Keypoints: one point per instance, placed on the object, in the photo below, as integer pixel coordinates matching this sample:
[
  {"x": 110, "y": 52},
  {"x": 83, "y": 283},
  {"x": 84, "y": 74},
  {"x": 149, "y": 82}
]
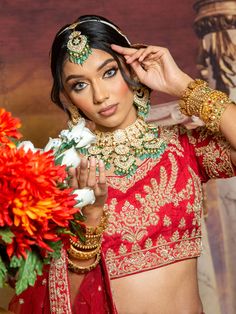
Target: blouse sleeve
[{"x": 212, "y": 153}]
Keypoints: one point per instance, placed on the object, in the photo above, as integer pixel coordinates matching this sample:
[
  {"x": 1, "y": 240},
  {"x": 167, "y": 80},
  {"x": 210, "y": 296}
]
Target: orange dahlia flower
[
  {"x": 8, "y": 127},
  {"x": 31, "y": 203}
]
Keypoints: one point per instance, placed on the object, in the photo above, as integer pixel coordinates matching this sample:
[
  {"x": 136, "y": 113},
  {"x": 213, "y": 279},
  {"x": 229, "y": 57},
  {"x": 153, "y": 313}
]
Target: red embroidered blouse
[{"x": 155, "y": 216}]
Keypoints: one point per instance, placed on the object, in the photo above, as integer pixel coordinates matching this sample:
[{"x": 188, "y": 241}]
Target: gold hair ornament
[
  {"x": 72, "y": 26},
  {"x": 78, "y": 48}
]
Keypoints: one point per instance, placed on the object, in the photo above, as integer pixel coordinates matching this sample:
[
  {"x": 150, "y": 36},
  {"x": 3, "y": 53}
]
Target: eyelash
[{"x": 113, "y": 70}]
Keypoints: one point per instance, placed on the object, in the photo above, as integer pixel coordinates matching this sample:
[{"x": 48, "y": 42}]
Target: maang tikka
[{"x": 77, "y": 46}]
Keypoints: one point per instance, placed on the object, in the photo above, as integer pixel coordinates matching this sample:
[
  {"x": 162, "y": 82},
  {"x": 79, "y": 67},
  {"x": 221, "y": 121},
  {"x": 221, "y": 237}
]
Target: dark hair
[{"x": 100, "y": 35}]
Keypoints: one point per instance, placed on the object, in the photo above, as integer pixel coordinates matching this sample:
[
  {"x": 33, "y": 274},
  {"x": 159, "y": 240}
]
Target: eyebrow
[{"x": 73, "y": 76}]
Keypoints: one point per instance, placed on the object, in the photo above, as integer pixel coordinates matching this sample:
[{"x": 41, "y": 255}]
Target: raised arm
[{"x": 156, "y": 68}]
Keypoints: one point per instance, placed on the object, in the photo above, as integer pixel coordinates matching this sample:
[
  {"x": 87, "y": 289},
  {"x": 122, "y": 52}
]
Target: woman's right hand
[{"x": 155, "y": 68}]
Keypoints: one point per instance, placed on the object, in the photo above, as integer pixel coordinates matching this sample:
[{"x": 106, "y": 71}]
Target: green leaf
[
  {"x": 3, "y": 273},
  {"x": 56, "y": 246},
  {"x": 64, "y": 231},
  {"x": 6, "y": 235},
  {"x": 78, "y": 230},
  {"x": 79, "y": 216},
  {"x": 58, "y": 160},
  {"x": 28, "y": 271},
  {"x": 16, "y": 261},
  {"x": 63, "y": 147}
]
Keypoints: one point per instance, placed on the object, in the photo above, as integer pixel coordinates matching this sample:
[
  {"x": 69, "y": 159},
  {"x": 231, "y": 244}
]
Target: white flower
[
  {"x": 78, "y": 128},
  {"x": 70, "y": 158},
  {"x": 53, "y": 143},
  {"x": 27, "y": 145},
  {"x": 87, "y": 137},
  {"x": 84, "y": 197},
  {"x": 64, "y": 134}
]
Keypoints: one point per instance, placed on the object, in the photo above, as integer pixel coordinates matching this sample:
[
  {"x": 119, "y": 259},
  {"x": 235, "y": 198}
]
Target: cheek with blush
[{"x": 123, "y": 91}]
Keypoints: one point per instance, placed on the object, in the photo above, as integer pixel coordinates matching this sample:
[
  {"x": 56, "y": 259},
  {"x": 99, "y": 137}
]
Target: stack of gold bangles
[
  {"x": 89, "y": 249},
  {"x": 202, "y": 101}
]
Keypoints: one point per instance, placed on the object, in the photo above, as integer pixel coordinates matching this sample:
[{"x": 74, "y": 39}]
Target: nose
[{"x": 100, "y": 93}]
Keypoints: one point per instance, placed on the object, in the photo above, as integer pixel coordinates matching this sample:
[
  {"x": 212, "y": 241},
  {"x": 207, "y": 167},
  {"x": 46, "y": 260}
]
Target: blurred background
[{"x": 201, "y": 36}]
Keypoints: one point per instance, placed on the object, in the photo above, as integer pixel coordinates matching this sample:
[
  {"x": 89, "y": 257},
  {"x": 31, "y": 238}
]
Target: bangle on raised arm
[{"x": 208, "y": 104}]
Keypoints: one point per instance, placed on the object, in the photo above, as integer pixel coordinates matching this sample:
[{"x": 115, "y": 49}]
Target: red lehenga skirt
[{"x": 51, "y": 293}]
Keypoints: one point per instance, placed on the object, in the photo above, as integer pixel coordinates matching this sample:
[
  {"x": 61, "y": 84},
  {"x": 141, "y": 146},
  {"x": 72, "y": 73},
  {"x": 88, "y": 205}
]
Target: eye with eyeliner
[
  {"x": 111, "y": 72},
  {"x": 78, "y": 86}
]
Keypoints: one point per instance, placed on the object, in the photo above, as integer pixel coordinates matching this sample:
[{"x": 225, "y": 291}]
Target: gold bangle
[
  {"x": 202, "y": 101},
  {"x": 88, "y": 244},
  {"x": 93, "y": 235},
  {"x": 184, "y": 102},
  {"x": 82, "y": 269},
  {"x": 83, "y": 255},
  {"x": 98, "y": 230}
]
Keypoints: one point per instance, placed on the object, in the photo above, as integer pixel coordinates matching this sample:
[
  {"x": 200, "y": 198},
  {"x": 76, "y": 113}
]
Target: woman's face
[{"x": 98, "y": 89}]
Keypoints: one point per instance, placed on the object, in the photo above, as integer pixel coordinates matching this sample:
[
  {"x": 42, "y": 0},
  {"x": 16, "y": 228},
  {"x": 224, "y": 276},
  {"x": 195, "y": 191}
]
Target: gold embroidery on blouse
[
  {"x": 166, "y": 221},
  {"x": 148, "y": 259},
  {"x": 216, "y": 161},
  {"x": 182, "y": 223},
  {"x": 197, "y": 205},
  {"x": 148, "y": 243},
  {"x": 216, "y": 158},
  {"x": 132, "y": 222}
]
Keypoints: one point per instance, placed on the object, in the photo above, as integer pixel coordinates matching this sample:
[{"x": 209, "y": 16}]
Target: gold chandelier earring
[
  {"x": 142, "y": 101},
  {"x": 74, "y": 114}
]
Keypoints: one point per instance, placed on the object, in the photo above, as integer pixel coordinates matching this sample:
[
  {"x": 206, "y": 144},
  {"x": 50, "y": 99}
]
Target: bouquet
[{"x": 38, "y": 209}]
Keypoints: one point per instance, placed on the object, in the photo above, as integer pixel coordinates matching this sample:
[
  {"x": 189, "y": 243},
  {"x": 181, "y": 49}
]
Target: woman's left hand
[
  {"x": 155, "y": 68},
  {"x": 85, "y": 176}
]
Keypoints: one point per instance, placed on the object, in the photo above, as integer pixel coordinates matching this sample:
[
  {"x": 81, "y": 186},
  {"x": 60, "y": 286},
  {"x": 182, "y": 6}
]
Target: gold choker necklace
[{"x": 123, "y": 147}]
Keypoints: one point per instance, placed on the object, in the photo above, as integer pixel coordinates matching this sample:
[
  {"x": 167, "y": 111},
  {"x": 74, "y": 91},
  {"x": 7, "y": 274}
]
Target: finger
[
  {"x": 92, "y": 173},
  {"x": 83, "y": 173},
  {"x": 139, "y": 70},
  {"x": 135, "y": 56},
  {"x": 150, "y": 50},
  {"x": 101, "y": 188},
  {"x": 102, "y": 173},
  {"x": 153, "y": 52},
  {"x": 123, "y": 50},
  {"x": 73, "y": 180}
]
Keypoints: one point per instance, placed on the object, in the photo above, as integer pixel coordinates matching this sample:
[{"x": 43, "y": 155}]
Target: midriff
[{"x": 172, "y": 289}]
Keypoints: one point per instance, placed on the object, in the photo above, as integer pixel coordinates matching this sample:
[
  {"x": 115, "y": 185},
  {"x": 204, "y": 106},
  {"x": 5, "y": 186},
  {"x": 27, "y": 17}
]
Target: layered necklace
[{"x": 123, "y": 147}]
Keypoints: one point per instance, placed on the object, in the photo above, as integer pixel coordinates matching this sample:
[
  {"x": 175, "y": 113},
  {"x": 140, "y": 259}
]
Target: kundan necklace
[{"x": 122, "y": 147}]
